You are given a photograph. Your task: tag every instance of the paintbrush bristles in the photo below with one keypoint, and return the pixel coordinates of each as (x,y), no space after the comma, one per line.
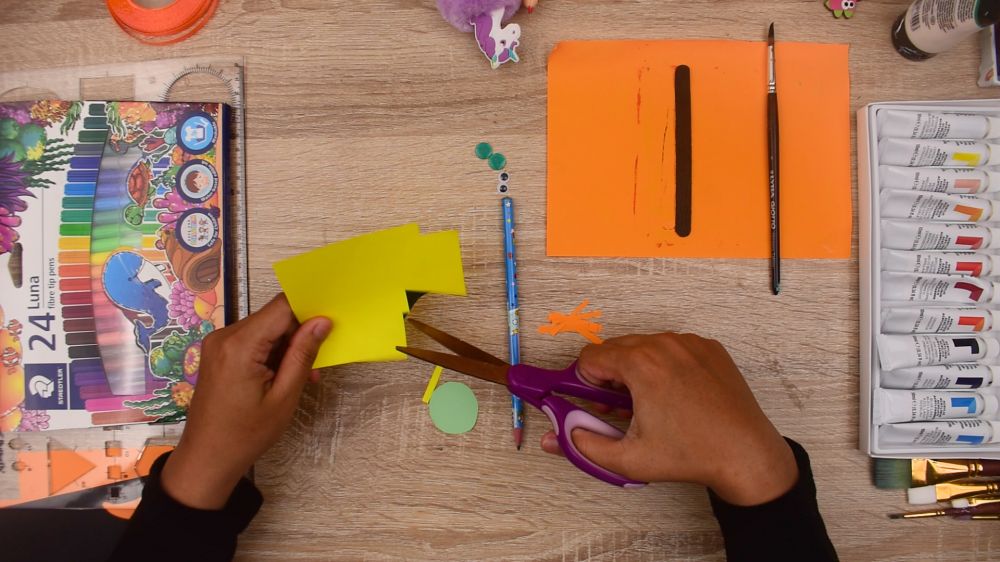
(892,474)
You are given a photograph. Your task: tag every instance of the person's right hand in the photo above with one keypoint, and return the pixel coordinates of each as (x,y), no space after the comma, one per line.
(694,419)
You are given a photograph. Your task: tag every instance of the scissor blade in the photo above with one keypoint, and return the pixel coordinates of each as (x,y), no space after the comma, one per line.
(458,346)
(472,367)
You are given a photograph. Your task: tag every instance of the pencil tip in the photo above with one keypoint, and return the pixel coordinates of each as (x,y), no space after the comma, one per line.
(518,437)
(770,33)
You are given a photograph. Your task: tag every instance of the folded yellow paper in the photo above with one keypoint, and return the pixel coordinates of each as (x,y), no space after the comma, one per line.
(361,285)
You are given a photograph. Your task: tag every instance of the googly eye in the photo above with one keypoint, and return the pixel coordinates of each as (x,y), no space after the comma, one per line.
(502,188)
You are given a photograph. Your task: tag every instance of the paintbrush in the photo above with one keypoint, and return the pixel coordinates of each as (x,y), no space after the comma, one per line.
(772,164)
(950,491)
(907,473)
(990,509)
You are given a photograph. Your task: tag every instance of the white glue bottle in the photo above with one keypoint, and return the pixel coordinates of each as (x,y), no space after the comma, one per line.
(929,27)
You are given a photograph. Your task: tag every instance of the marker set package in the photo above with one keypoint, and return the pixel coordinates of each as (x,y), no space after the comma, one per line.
(113,231)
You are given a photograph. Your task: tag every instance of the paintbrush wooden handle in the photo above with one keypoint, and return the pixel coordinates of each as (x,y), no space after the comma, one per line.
(989,468)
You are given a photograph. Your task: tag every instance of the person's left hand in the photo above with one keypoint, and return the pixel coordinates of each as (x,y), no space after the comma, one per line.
(249,382)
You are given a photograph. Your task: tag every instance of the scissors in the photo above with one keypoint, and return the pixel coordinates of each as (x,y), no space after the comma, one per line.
(537,387)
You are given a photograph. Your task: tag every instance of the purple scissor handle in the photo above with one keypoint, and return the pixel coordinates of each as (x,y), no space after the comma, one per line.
(537,386)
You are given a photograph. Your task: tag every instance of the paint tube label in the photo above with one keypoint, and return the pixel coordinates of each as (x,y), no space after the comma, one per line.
(904,235)
(927,125)
(897,352)
(935,320)
(957,376)
(896,406)
(955,432)
(932,152)
(938,180)
(940,263)
(920,205)
(941,289)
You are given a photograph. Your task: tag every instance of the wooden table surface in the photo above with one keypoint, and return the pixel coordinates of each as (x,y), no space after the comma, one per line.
(363,115)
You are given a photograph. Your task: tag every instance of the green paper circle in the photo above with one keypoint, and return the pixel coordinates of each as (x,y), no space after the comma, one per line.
(454,408)
(498,161)
(483,150)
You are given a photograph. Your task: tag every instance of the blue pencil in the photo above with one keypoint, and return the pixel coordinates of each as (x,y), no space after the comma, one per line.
(507,205)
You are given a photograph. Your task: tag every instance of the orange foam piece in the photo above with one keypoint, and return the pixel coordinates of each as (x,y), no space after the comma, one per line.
(65,467)
(577,321)
(611,149)
(149,455)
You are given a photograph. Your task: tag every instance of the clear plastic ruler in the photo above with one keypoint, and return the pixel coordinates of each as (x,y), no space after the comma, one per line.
(202,79)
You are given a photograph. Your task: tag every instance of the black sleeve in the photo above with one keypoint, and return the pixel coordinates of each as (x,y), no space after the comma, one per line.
(787,528)
(164,529)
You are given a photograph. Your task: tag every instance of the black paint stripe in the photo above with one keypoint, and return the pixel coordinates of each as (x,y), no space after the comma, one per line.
(682,144)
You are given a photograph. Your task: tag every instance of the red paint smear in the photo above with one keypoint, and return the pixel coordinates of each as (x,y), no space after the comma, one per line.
(635,182)
(638,97)
(663,151)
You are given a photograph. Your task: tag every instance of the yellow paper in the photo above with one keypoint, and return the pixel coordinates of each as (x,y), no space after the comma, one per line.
(361,285)
(432,384)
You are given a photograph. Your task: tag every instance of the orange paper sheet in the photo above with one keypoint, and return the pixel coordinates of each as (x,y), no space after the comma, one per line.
(611,149)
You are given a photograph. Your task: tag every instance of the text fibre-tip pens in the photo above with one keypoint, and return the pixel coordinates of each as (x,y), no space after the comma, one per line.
(773,167)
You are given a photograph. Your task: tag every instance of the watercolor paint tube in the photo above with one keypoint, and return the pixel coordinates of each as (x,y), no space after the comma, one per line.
(939,180)
(941,263)
(898,406)
(945,432)
(938,289)
(939,377)
(927,125)
(897,352)
(907,235)
(955,320)
(950,153)
(924,206)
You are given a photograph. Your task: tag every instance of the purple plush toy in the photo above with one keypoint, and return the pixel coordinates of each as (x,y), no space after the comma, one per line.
(486,18)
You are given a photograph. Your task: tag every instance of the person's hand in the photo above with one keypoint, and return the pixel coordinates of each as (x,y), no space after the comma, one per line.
(249,382)
(694,419)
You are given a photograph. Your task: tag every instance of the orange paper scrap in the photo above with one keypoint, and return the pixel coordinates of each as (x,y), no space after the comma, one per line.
(577,321)
(611,149)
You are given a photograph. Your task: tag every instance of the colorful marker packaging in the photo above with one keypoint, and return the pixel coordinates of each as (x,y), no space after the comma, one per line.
(929,245)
